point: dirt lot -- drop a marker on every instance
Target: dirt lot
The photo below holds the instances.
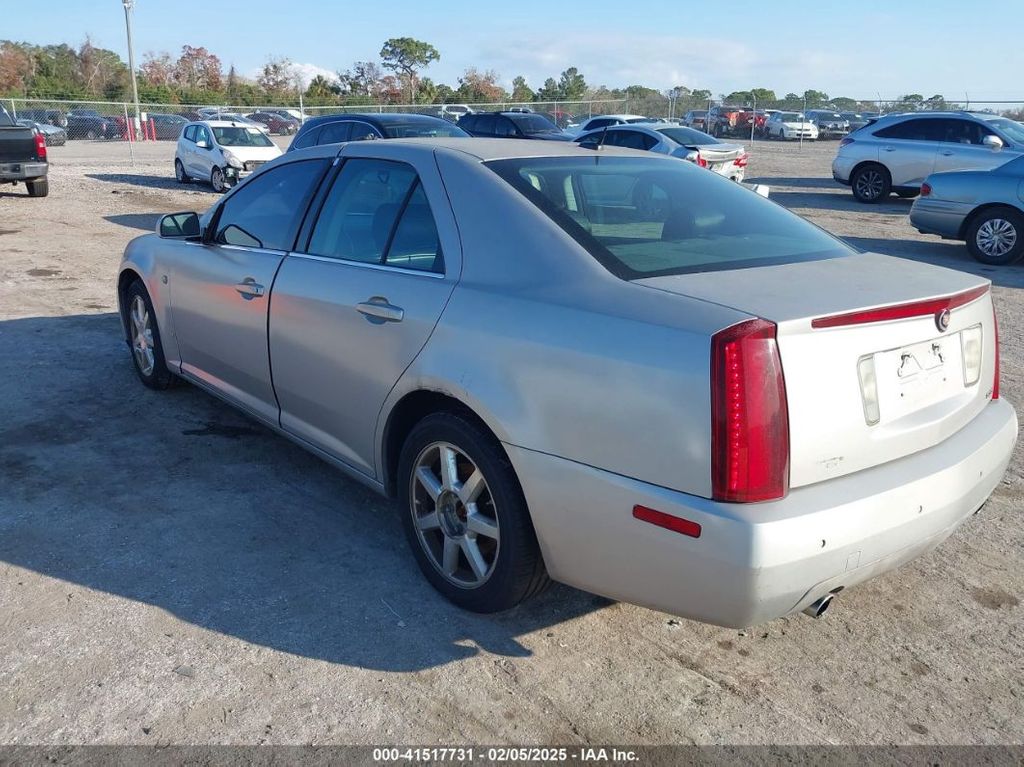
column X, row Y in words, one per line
column 173, row 573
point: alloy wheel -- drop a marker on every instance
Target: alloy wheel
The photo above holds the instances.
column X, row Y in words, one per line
column 454, row 515
column 996, row 237
column 217, row 180
column 870, row 184
column 142, row 336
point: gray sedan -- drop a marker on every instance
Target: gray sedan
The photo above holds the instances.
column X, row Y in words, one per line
column 985, row 208
column 603, row 367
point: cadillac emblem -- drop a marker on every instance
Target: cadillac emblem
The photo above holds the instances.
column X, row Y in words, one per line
column 942, row 320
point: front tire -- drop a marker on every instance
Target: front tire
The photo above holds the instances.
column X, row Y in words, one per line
column 217, row 181
column 144, row 339
column 871, row 183
column 996, row 236
column 465, row 516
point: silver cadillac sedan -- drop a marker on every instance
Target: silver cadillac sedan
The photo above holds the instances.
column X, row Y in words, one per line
column 603, row 367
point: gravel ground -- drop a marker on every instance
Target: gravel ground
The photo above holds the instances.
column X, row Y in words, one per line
column 170, row 572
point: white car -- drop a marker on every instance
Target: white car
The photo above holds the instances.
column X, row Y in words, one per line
column 221, row 152
column 601, row 121
column 790, row 125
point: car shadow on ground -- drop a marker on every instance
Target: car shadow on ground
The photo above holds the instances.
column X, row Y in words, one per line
column 836, row 201
column 953, row 255
column 798, row 183
column 152, row 182
column 144, row 221
column 176, row 500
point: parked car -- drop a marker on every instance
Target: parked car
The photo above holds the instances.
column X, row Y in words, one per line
column 896, row 152
column 221, row 152
column 453, row 112
column 168, row 127
column 53, row 135
column 856, row 120
column 790, row 125
column 23, row 156
column 276, row 123
column 696, row 118
column 90, row 124
column 620, row 372
column 528, row 125
column 982, row 207
column 53, row 117
column 761, row 118
column 333, row 129
column 293, row 114
column 600, row 121
column 728, row 121
column 729, row 160
column 562, row 119
column 830, row 125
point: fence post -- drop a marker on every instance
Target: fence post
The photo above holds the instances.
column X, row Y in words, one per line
column 14, row 112
column 128, row 136
column 753, row 116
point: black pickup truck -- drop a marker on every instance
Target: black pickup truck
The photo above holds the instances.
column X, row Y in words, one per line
column 23, row 156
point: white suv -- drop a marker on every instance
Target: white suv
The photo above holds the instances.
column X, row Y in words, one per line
column 897, row 152
column 221, row 152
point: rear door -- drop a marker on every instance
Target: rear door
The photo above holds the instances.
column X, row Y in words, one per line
column 960, row 147
column 354, row 305
column 908, row 149
column 220, row 289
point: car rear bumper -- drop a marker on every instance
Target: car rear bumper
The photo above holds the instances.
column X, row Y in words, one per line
column 941, row 217
column 18, row 171
column 757, row 562
column 841, row 169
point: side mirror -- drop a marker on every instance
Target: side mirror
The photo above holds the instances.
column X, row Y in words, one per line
column 179, row 226
column 202, row 144
column 993, row 142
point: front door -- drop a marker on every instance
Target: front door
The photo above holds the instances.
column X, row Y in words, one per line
column 220, row 289
column 351, row 313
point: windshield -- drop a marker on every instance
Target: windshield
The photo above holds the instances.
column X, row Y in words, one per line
column 851, row 116
column 650, row 217
column 441, row 129
column 531, row 125
column 235, row 136
column 1012, row 130
column 688, row 136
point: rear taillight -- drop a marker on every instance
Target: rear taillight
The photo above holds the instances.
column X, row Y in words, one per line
column 741, row 161
column 995, row 377
column 701, row 161
column 846, row 142
column 926, row 189
column 749, row 415
column 40, row 146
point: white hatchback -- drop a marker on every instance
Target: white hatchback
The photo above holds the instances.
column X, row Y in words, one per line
column 221, row 152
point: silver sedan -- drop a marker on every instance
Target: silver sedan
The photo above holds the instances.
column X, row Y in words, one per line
column 603, row 367
column 984, row 208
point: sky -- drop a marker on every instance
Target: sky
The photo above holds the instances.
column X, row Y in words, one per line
column 865, row 49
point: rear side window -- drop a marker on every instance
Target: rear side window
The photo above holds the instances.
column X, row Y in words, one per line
column 630, row 139
column 309, row 138
column 646, row 217
column 913, row 130
column 484, row 124
column 377, row 213
column 335, row 133
column 504, row 127
column 267, row 210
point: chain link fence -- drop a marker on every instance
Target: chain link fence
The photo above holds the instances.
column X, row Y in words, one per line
column 110, row 133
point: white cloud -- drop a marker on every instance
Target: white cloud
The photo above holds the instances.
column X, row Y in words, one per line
column 309, row 71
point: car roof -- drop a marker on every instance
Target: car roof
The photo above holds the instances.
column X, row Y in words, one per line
column 487, row 149
column 618, row 117
column 221, row 123
column 377, row 118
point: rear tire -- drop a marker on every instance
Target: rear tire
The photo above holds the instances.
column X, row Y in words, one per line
column 478, row 548
column 996, row 236
column 180, row 174
column 871, row 183
column 38, row 188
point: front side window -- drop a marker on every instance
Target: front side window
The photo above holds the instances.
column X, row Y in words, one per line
column 377, row 213
column 1009, row 128
column 202, row 134
column 335, row 133
column 267, row 210
column 647, row 217
column 309, row 138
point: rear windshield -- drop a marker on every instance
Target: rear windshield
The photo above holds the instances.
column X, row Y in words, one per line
column 531, row 125
column 5, row 119
column 440, row 129
column 689, row 136
column 647, row 217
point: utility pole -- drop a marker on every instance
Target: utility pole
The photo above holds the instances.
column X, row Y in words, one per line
column 129, row 5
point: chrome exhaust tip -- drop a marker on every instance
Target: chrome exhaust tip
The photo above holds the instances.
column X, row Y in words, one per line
column 817, row 609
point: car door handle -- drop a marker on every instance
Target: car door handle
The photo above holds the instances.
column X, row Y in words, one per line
column 888, row 149
column 378, row 308
column 947, row 153
column 249, row 289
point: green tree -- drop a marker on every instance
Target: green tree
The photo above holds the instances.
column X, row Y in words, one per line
column 763, row 95
column 815, row 98
column 405, row 56
column 277, row 76
column 321, row 89
column 520, row 90
column 700, row 94
column 549, row 91
column 571, row 85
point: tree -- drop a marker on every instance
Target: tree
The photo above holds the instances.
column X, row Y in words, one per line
column 521, row 91
column 477, row 86
column 549, row 91
column 321, row 89
column 701, row 94
column 15, row 68
column 102, row 71
column 763, row 95
column 571, row 85
column 157, row 68
column 361, row 80
column 277, row 76
column 198, row 69
column 815, row 98
column 405, row 56
column 738, row 98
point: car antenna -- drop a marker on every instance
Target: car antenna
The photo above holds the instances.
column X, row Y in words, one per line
column 604, row 133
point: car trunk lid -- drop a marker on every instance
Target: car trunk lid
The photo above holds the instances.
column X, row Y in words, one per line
column 864, row 389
